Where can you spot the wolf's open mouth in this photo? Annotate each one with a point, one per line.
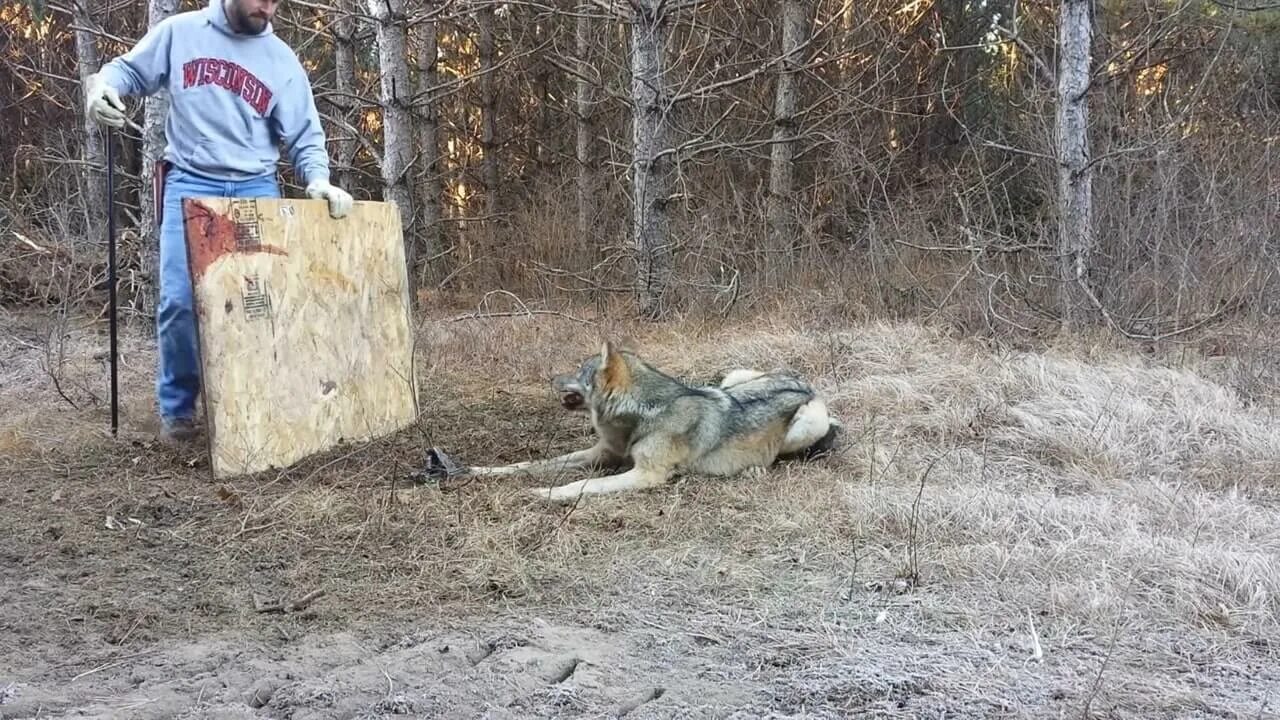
(571, 400)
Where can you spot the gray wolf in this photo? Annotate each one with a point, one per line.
(651, 426)
(238, 96)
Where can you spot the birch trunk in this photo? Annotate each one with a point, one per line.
(785, 124)
(397, 122)
(651, 161)
(1075, 202)
(95, 153)
(430, 188)
(156, 110)
(585, 126)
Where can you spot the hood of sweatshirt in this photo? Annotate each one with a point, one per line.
(217, 14)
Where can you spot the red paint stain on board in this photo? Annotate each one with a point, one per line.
(211, 235)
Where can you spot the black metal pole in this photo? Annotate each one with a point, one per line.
(111, 279)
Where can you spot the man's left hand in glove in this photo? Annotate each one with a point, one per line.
(339, 200)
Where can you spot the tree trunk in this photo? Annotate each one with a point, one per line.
(95, 154)
(786, 96)
(651, 161)
(397, 123)
(538, 130)
(153, 142)
(429, 185)
(488, 110)
(1075, 208)
(586, 131)
(344, 71)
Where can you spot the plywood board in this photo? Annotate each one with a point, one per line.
(304, 327)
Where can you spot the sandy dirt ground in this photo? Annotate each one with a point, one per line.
(1083, 530)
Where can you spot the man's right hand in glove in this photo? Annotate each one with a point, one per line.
(102, 102)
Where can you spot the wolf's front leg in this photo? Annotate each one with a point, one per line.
(656, 459)
(633, 479)
(593, 457)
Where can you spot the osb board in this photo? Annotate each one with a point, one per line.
(303, 323)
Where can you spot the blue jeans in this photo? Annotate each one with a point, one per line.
(178, 375)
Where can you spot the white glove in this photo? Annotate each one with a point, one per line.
(102, 102)
(339, 200)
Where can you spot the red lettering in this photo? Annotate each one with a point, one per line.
(190, 71)
(228, 76)
(249, 89)
(236, 84)
(264, 100)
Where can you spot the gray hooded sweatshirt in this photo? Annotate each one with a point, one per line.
(234, 99)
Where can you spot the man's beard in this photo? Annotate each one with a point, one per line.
(242, 22)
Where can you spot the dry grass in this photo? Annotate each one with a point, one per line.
(1073, 529)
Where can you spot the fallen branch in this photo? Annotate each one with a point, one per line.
(523, 311)
(517, 313)
(28, 242)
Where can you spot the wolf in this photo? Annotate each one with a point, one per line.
(650, 426)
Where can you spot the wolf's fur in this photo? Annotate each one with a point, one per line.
(651, 426)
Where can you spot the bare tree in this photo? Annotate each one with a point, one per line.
(345, 96)
(397, 122)
(585, 100)
(795, 19)
(153, 141)
(1075, 201)
(541, 93)
(429, 184)
(95, 156)
(652, 157)
(488, 107)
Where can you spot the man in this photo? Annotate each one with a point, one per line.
(236, 93)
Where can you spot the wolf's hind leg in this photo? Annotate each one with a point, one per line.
(812, 428)
(808, 425)
(739, 376)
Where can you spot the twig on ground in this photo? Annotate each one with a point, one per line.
(283, 606)
(100, 668)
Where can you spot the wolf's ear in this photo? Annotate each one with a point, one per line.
(614, 373)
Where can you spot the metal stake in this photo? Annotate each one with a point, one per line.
(111, 280)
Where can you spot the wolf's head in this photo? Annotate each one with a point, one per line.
(608, 371)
